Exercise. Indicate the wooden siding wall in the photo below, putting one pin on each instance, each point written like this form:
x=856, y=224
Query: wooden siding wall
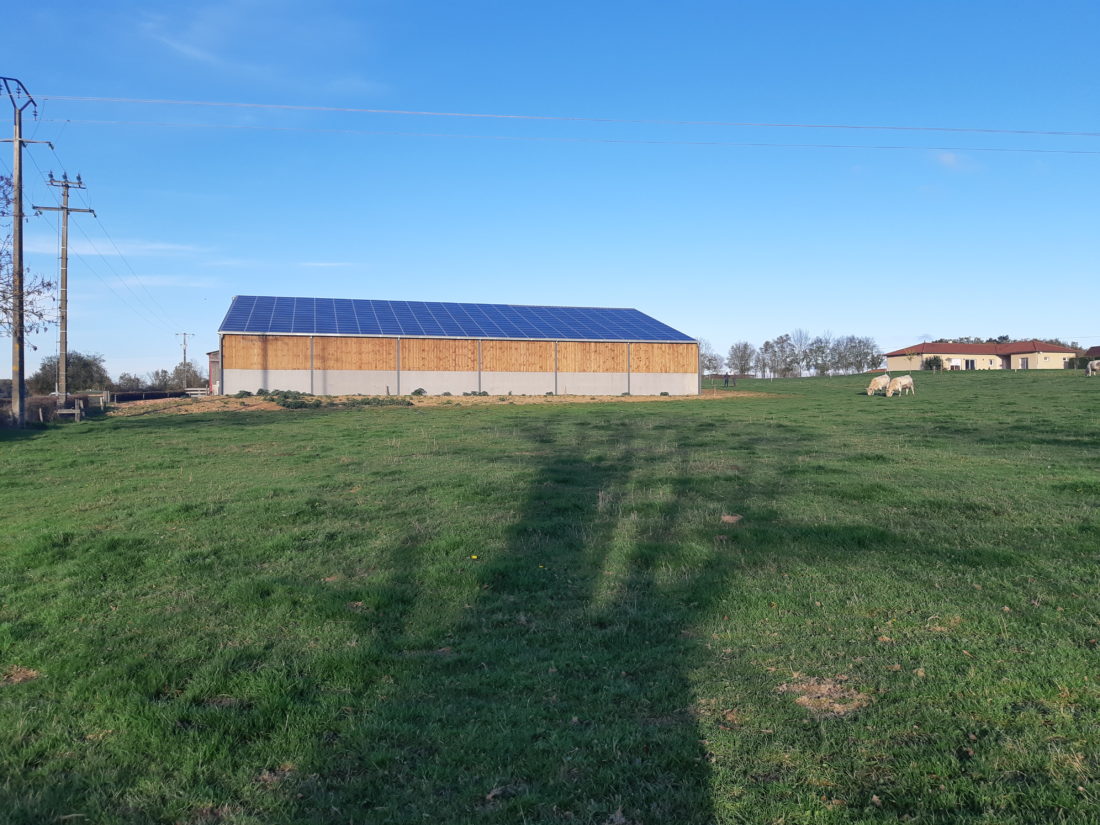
x=517, y=356
x=588, y=356
x=291, y=352
x=664, y=357
x=354, y=353
x=266, y=352
x=438, y=355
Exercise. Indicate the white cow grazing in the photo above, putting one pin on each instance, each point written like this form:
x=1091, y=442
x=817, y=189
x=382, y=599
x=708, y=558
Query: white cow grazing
x=879, y=383
x=1092, y=368
x=900, y=384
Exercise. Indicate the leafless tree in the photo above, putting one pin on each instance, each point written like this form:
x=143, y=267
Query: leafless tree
x=710, y=360
x=800, y=343
x=37, y=292
x=741, y=357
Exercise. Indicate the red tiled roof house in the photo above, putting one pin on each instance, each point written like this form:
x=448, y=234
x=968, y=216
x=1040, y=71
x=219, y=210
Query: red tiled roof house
x=1014, y=355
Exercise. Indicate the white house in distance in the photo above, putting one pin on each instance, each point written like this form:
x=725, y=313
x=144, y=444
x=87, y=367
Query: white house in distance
x=1012, y=355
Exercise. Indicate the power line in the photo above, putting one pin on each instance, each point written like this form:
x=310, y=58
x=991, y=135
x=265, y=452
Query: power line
x=633, y=141
x=152, y=307
x=139, y=311
x=567, y=118
x=155, y=304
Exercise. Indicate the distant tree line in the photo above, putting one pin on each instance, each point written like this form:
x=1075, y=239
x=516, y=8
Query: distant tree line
x=1004, y=339
x=796, y=354
x=86, y=371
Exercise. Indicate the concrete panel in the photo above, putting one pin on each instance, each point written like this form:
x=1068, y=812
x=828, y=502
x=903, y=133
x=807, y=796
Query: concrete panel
x=378, y=382
x=517, y=383
x=252, y=380
x=437, y=383
x=355, y=382
x=655, y=383
x=591, y=383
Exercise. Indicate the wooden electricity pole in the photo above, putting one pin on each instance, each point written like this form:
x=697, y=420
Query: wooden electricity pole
x=63, y=354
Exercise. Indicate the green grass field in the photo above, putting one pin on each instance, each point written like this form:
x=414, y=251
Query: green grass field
x=537, y=614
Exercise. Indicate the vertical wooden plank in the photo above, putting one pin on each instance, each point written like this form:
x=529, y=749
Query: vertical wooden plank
x=339, y=353
x=670, y=357
x=517, y=356
x=439, y=354
x=592, y=356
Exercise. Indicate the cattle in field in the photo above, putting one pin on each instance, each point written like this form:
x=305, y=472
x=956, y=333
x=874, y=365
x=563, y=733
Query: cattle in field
x=1092, y=368
x=879, y=383
x=899, y=385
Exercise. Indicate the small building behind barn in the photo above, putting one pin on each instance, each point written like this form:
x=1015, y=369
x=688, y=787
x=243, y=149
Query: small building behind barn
x=1011, y=355
x=215, y=374
x=334, y=346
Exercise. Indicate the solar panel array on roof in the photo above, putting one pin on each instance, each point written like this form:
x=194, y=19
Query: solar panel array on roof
x=344, y=316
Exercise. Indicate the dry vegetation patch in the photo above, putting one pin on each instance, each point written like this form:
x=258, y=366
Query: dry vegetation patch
x=190, y=406
x=825, y=697
x=16, y=675
x=225, y=403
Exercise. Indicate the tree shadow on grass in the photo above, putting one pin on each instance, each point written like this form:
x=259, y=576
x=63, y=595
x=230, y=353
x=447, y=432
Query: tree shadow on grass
x=548, y=680
x=559, y=693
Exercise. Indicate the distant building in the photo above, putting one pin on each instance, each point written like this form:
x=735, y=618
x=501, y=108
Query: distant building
x=215, y=382
x=1013, y=355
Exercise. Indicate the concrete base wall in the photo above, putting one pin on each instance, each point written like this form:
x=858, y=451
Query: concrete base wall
x=383, y=382
x=655, y=383
x=355, y=382
x=591, y=383
x=252, y=380
x=437, y=383
x=518, y=383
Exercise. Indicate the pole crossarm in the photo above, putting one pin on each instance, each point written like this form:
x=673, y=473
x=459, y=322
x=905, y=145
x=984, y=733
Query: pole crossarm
x=61, y=209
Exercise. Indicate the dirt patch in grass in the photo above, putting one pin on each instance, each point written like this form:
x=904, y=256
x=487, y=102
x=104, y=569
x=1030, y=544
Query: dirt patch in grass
x=219, y=403
x=16, y=675
x=825, y=697
x=275, y=776
x=190, y=406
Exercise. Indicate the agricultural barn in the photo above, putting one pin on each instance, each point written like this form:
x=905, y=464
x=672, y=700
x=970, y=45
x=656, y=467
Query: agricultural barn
x=332, y=346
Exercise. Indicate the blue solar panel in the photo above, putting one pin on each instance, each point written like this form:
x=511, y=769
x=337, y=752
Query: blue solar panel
x=344, y=316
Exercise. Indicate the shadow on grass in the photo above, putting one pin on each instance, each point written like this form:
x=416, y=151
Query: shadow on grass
x=550, y=680
x=11, y=435
x=559, y=693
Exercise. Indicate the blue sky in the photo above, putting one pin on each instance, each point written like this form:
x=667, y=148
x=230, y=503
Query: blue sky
x=726, y=232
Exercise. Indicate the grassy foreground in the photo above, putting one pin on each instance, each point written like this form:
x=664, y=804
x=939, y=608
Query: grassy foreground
x=506, y=614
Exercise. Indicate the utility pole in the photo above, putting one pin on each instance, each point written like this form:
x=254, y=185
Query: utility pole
x=185, y=336
x=63, y=355
x=20, y=99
